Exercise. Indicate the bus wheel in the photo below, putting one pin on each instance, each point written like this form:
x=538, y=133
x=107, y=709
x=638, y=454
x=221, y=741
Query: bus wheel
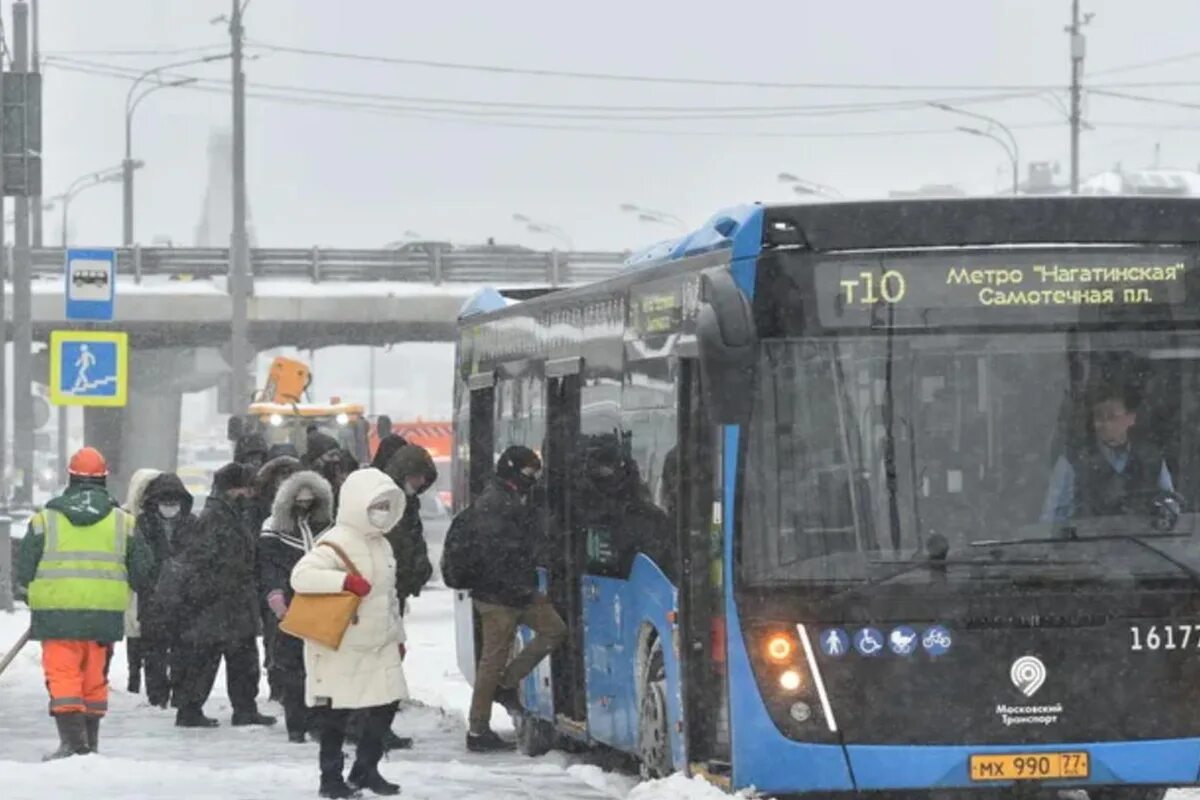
x=535, y=737
x=654, y=738
x=1127, y=793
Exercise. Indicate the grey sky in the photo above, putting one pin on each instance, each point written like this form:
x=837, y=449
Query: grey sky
x=322, y=176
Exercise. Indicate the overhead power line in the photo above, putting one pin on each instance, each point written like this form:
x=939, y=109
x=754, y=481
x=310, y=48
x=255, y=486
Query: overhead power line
x=630, y=78
x=475, y=107
x=166, y=51
x=451, y=115
x=1158, y=62
x=1139, y=98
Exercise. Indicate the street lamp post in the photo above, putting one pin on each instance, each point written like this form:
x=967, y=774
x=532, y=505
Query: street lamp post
x=84, y=182
x=657, y=217
x=1011, y=146
x=533, y=226
x=807, y=187
x=1012, y=155
x=131, y=104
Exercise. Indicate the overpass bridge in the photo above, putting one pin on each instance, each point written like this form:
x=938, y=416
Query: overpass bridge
x=178, y=297
x=176, y=307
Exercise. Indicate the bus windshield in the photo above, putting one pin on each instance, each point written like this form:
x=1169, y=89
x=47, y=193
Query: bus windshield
x=864, y=450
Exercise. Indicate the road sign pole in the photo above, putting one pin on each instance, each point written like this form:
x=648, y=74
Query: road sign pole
x=22, y=298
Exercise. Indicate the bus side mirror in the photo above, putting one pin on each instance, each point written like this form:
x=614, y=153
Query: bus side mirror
x=727, y=342
x=235, y=428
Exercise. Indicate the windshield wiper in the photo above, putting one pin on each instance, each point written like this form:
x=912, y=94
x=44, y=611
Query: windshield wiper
x=1135, y=538
x=937, y=550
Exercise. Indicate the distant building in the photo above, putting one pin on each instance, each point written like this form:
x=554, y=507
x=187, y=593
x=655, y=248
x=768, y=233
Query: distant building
x=215, y=228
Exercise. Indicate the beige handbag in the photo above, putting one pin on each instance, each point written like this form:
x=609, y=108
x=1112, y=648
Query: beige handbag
x=323, y=618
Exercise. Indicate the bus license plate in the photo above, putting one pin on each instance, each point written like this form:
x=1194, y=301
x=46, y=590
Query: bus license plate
x=1029, y=766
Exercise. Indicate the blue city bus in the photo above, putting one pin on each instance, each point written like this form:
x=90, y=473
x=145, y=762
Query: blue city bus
x=866, y=496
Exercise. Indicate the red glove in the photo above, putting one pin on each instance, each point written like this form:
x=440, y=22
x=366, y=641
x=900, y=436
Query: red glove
x=403, y=651
x=356, y=584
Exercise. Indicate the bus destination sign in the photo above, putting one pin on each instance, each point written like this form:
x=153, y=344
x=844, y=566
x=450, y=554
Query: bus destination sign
x=991, y=288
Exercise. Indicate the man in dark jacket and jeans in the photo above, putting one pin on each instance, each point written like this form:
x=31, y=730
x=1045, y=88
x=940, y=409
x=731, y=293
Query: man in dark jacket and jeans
x=164, y=517
x=506, y=595
x=220, y=606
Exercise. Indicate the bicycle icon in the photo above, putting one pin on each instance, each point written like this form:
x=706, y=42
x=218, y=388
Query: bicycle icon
x=937, y=640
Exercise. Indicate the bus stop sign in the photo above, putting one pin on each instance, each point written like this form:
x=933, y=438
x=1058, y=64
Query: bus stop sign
x=91, y=277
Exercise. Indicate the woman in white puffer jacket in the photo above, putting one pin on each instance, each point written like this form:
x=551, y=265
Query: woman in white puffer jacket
x=366, y=671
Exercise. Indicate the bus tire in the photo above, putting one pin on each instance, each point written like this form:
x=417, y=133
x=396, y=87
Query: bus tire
x=535, y=737
x=654, y=737
x=1127, y=793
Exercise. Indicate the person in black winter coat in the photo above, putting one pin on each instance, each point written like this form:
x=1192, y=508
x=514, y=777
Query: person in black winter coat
x=324, y=455
x=506, y=594
x=251, y=450
x=220, y=606
x=303, y=509
x=164, y=519
x=412, y=469
x=266, y=484
x=387, y=448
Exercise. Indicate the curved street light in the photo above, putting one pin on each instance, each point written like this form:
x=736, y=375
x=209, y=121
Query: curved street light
x=85, y=182
x=657, y=217
x=807, y=187
x=131, y=104
x=534, y=226
x=1012, y=154
x=1011, y=146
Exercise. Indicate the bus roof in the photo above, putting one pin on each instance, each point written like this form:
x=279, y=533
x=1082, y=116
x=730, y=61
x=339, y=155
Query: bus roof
x=912, y=223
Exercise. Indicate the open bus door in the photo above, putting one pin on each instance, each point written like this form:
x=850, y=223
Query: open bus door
x=481, y=447
x=563, y=426
x=701, y=579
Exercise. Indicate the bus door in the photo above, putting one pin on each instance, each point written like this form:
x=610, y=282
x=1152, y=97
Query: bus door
x=563, y=425
x=701, y=597
x=481, y=428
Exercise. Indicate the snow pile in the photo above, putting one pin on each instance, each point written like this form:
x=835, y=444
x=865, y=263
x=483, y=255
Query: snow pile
x=679, y=787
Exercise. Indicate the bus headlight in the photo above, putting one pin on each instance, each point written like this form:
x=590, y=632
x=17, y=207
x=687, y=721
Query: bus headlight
x=276, y=420
x=343, y=418
x=790, y=680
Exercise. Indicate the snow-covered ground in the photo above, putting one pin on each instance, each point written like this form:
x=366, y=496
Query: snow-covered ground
x=144, y=756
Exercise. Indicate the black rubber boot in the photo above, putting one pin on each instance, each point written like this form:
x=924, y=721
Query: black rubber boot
x=92, y=725
x=362, y=778
x=337, y=788
x=72, y=736
x=243, y=718
x=193, y=717
x=488, y=742
x=393, y=742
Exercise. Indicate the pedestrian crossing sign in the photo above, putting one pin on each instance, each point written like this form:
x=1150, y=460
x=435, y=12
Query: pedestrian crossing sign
x=89, y=368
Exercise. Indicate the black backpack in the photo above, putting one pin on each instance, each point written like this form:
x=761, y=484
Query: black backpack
x=460, y=566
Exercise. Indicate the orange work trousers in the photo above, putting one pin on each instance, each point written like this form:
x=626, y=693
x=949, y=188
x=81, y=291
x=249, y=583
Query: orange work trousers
x=75, y=676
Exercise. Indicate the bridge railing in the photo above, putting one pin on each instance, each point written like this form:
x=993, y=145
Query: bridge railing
x=470, y=265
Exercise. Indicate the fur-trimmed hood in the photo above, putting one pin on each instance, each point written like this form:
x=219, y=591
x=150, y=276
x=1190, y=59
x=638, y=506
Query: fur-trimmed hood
x=281, y=510
x=137, y=489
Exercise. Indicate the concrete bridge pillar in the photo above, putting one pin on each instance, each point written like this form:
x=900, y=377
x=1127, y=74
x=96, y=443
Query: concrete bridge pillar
x=146, y=432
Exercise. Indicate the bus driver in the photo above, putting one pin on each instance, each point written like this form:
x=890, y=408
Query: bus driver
x=1111, y=474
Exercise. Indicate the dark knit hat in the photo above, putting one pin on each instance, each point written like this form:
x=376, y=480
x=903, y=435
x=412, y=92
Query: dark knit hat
x=515, y=459
x=233, y=476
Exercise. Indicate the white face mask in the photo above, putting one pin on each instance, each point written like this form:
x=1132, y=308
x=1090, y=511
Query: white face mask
x=169, y=510
x=379, y=517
